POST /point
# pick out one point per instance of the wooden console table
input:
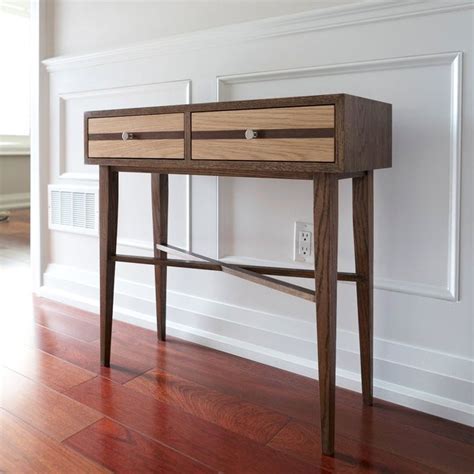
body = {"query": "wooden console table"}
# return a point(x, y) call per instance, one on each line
point(322, 138)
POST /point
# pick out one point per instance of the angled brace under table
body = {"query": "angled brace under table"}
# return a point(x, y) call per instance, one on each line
point(254, 273)
point(322, 138)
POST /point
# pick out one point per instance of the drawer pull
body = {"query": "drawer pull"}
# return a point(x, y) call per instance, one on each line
point(250, 134)
point(127, 136)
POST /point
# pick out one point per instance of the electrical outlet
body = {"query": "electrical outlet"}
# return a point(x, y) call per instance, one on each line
point(303, 242)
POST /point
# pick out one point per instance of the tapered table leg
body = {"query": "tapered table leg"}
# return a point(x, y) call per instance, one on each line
point(108, 203)
point(159, 198)
point(325, 254)
point(363, 217)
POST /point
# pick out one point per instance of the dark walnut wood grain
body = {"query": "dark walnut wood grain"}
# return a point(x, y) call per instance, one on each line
point(325, 257)
point(159, 206)
point(363, 217)
point(245, 274)
point(108, 215)
point(263, 270)
point(367, 134)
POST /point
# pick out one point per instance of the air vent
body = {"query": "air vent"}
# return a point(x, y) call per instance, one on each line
point(73, 209)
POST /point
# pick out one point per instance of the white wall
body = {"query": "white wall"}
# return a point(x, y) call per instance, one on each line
point(418, 56)
point(89, 25)
point(14, 181)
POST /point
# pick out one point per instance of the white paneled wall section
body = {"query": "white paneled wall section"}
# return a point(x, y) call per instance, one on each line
point(424, 204)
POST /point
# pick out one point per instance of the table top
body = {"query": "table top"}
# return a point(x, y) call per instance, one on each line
point(293, 137)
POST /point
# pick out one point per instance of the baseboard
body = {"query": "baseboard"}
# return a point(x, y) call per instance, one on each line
point(14, 201)
point(429, 381)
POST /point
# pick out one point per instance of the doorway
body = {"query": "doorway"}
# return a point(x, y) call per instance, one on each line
point(15, 46)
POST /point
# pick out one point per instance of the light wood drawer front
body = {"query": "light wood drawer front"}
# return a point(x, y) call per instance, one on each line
point(281, 134)
point(171, 149)
point(321, 116)
point(137, 123)
point(149, 136)
point(321, 149)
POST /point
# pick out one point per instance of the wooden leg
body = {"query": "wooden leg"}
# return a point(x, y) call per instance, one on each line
point(325, 254)
point(108, 203)
point(363, 216)
point(159, 197)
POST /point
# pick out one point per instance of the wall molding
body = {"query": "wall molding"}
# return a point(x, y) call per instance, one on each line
point(243, 331)
point(450, 292)
point(62, 99)
point(12, 145)
point(14, 201)
point(298, 23)
point(93, 178)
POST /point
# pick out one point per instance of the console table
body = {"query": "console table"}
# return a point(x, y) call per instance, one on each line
point(322, 138)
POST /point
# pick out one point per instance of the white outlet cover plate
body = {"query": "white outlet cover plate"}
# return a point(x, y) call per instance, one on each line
point(302, 227)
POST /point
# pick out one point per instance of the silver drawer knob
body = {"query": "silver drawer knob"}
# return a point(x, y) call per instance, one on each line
point(250, 134)
point(127, 136)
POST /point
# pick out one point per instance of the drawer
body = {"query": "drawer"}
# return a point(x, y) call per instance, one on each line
point(140, 136)
point(272, 134)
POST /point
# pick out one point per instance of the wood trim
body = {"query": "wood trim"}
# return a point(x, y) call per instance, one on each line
point(355, 174)
point(363, 222)
point(263, 134)
point(367, 136)
point(326, 218)
point(279, 271)
point(248, 275)
point(272, 169)
point(138, 136)
point(187, 136)
point(108, 215)
point(159, 206)
point(328, 99)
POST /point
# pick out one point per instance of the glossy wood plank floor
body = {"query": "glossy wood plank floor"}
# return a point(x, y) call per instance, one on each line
point(176, 407)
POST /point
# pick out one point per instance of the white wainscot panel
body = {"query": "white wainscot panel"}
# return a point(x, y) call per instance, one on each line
point(416, 201)
point(135, 217)
point(135, 228)
point(72, 105)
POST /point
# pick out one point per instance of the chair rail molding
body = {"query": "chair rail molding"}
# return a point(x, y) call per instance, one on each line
point(308, 21)
point(453, 59)
point(11, 145)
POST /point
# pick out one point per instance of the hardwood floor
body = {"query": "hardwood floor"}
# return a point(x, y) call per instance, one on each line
point(176, 407)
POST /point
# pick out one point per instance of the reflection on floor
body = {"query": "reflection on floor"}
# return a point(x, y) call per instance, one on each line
point(176, 407)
